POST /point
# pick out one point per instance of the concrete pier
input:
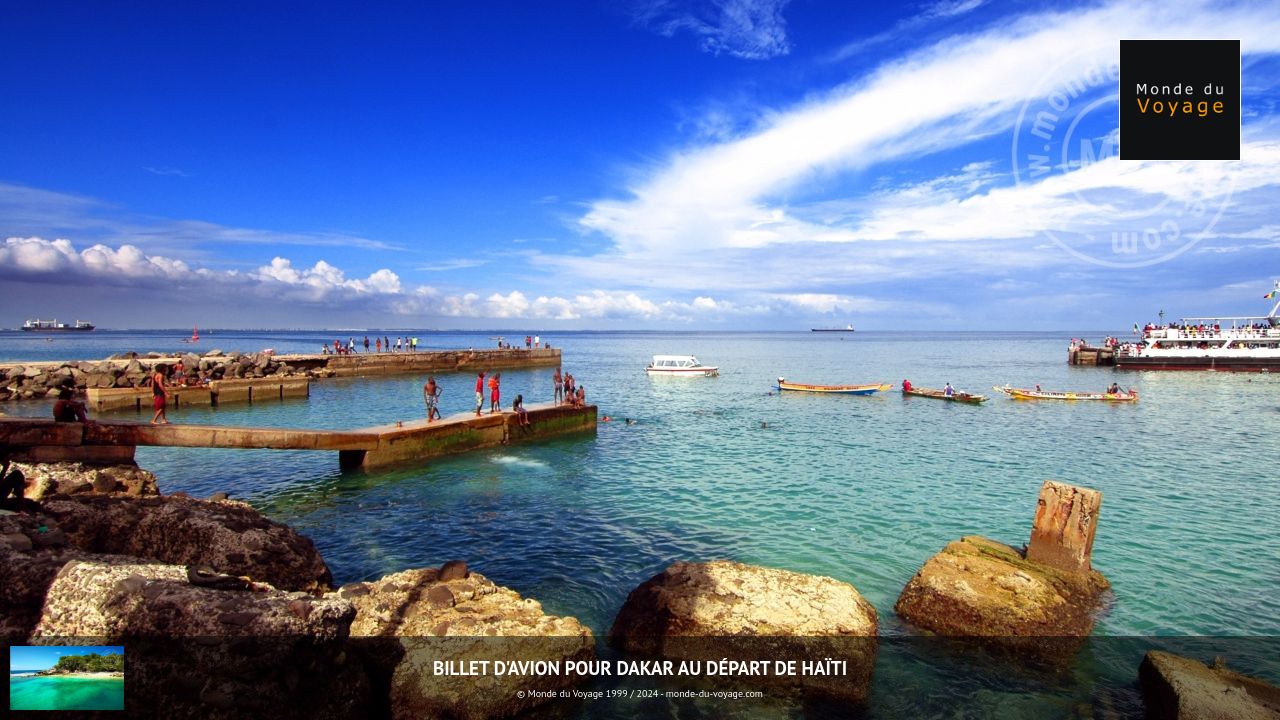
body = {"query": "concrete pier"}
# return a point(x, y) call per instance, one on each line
point(1088, 355)
point(39, 379)
point(218, 392)
point(435, 361)
point(39, 440)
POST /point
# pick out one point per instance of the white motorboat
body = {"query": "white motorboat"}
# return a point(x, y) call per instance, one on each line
point(680, 366)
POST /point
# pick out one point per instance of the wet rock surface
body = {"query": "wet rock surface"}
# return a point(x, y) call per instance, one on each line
point(1180, 688)
point(725, 609)
point(463, 618)
point(977, 587)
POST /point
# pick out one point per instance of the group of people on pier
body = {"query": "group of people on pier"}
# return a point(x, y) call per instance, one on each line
point(379, 345)
point(566, 392)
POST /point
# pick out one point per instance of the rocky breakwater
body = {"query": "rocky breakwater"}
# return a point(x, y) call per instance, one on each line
point(454, 616)
point(1039, 602)
point(131, 370)
point(727, 610)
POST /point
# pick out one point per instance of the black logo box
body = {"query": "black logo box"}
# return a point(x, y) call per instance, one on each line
point(1160, 77)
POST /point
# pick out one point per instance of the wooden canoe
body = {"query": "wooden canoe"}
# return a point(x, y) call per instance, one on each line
point(960, 397)
point(837, 389)
point(1025, 394)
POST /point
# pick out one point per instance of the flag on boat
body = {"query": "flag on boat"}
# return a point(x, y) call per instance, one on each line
point(1269, 295)
point(1135, 328)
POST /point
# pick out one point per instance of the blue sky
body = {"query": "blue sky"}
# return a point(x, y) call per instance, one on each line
point(721, 164)
point(43, 657)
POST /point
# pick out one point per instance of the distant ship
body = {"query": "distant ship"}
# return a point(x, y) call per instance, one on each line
point(45, 326)
point(846, 328)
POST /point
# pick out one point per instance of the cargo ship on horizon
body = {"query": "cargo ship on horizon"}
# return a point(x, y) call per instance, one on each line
point(44, 326)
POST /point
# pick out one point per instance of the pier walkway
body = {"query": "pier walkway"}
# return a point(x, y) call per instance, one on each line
point(40, 440)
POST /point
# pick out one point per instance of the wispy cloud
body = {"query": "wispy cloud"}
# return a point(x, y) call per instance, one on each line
point(455, 264)
point(33, 211)
point(165, 171)
point(749, 29)
point(940, 10)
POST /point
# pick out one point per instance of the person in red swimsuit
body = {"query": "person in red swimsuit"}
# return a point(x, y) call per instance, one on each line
point(494, 394)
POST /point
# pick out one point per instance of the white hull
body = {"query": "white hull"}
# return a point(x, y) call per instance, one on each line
point(683, 372)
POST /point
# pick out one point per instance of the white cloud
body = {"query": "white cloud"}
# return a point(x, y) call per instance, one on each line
point(58, 262)
point(723, 215)
point(750, 29)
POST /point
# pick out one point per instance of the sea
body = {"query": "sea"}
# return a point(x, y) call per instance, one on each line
point(861, 489)
point(29, 692)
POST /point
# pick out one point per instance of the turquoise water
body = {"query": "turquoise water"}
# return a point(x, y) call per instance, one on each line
point(66, 693)
point(863, 489)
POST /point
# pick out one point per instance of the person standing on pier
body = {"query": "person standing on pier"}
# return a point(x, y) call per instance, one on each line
point(159, 395)
point(366, 344)
point(431, 393)
point(559, 389)
point(377, 345)
point(494, 394)
point(536, 341)
point(479, 392)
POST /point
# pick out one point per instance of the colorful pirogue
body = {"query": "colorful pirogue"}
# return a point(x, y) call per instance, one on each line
point(838, 389)
point(957, 396)
point(1024, 394)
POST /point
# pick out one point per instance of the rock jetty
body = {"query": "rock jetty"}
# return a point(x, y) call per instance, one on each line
point(980, 588)
point(724, 609)
point(1179, 688)
point(131, 370)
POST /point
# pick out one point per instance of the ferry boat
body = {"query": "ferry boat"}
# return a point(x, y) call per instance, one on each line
point(1247, 344)
point(680, 366)
point(45, 326)
point(846, 328)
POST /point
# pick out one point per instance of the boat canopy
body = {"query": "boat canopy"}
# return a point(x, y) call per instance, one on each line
point(675, 361)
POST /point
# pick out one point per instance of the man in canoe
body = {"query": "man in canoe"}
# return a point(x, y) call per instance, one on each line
point(948, 391)
point(1114, 389)
point(906, 386)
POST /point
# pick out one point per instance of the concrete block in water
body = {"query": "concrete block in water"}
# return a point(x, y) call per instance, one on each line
point(1065, 523)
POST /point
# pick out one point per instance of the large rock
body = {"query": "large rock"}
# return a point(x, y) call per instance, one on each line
point(231, 537)
point(196, 652)
point(32, 551)
point(68, 478)
point(1179, 688)
point(463, 619)
point(723, 609)
point(978, 587)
